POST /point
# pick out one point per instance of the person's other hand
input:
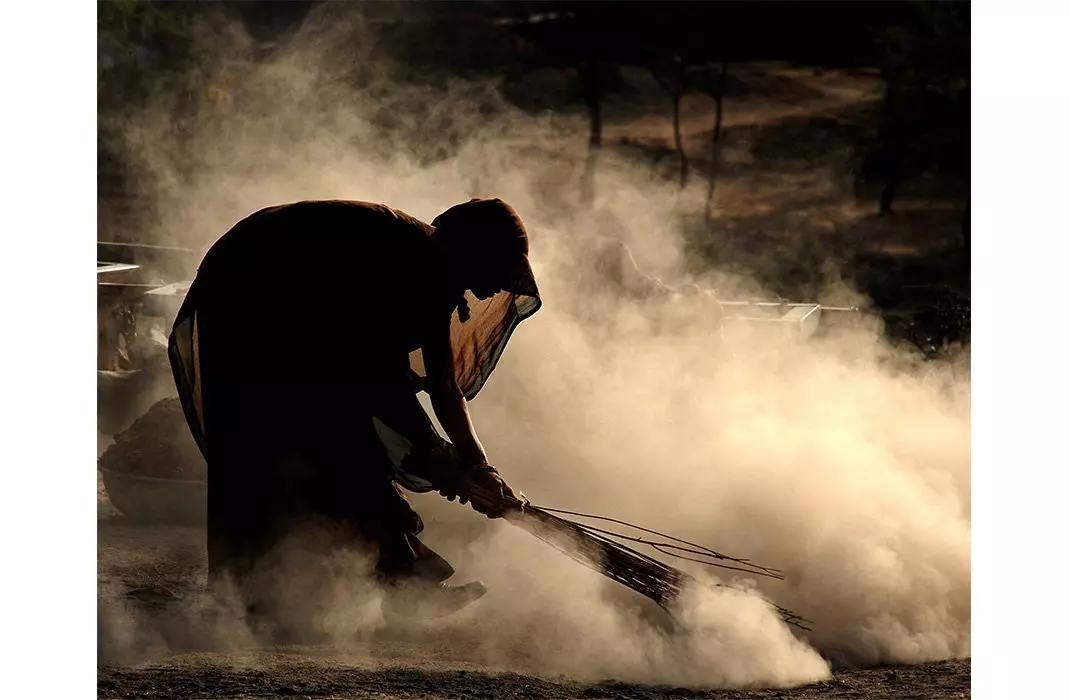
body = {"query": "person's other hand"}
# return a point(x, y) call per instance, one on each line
point(454, 488)
point(488, 493)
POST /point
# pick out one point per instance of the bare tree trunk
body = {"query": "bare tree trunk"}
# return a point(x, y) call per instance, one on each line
point(592, 93)
point(966, 229)
point(676, 137)
point(891, 187)
point(671, 79)
point(678, 89)
point(715, 154)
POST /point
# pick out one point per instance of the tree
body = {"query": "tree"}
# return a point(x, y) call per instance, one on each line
point(140, 45)
point(925, 116)
point(576, 35)
point(671, 74)
point(717, 84)
point(590, 76)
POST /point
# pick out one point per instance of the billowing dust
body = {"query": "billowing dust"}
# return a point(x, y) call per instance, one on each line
point(843, 462)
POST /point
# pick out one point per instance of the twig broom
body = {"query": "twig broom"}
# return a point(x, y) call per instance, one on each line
point(602, 550)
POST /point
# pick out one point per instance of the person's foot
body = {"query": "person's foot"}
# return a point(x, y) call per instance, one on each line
point(419, 598)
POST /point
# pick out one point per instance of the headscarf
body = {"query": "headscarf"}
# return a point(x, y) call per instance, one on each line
point(480, 329)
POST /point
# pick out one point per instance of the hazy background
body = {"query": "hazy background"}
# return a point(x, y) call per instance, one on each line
point(843, 461)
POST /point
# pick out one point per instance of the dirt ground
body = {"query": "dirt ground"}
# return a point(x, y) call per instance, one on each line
point(147, 648)
point(288, 674)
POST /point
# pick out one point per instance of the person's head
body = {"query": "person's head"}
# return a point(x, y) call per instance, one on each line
point(487, 245)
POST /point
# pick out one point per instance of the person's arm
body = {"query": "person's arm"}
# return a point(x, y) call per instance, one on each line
point(448, 400)
point(451, 408)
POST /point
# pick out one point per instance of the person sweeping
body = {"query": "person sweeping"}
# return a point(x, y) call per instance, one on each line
point(298, 354)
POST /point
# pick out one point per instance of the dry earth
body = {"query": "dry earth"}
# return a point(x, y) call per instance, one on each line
point(287, 674)
point(149, 648)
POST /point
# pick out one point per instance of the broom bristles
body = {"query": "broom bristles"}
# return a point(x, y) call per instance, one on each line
point(642, 573)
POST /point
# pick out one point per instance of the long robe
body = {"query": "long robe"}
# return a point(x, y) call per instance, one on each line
point(306, 321)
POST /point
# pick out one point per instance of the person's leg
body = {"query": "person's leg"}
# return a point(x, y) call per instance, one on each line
point(232, 496)
point(361, 498)
point(368, 515)
point(356, 489)
point(395, 403)
point(256, 482)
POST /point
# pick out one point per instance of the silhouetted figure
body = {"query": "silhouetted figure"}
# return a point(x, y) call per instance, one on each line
point(308, 328)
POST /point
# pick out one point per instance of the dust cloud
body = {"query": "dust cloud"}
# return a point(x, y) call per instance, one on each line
point(842, 461)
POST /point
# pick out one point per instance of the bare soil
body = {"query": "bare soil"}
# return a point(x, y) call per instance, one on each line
point(291, 674)
point(149, 648)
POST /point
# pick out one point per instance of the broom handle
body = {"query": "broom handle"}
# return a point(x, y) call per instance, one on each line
point(539, 524)
point(513, 507)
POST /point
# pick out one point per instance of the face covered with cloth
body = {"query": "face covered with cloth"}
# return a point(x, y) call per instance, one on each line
point(298, 354)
